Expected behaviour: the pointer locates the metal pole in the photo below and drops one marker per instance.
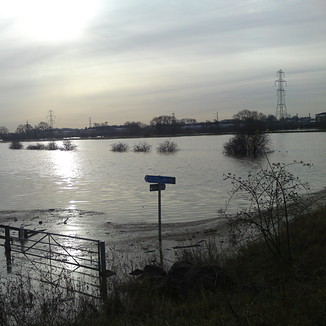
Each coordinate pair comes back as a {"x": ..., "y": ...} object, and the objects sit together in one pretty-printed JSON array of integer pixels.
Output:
[{"x": 160, "y": 227}]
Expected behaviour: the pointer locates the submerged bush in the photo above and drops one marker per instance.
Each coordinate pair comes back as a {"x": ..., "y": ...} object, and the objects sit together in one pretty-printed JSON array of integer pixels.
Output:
[
  {"x": 16, "y": 145},
  {"x": 68, "y": 145},
  {"x": 38, "y": 146},
  {"x": 119, "y": 147},
  {"x": 168, "y": 146},
  {"x": 142, "y": 147},
  {"x": 247, "y": 144},
  {"x": 52, "y": 146}
]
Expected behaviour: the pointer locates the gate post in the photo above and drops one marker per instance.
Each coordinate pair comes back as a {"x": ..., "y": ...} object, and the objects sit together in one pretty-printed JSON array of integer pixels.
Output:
[
  {"x": 102, "y": 270},
  {"x": 8, "y": 248},
  {"x": 22, "y": 234}
]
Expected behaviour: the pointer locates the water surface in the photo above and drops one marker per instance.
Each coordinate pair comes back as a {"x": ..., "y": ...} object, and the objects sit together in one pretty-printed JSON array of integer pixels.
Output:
[{"x": 95, "y": 178}]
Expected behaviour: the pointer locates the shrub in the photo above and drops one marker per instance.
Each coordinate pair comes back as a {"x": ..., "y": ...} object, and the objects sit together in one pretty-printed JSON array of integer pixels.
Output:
[
  {"x": 52, "y": 146},
  {"x": 247, "y": 144},
  {"x": 273, "y": 199},
  {"x": 67, "y": 145},
  {"x": 38, "y": 146},
  {"x": 168, "y": 147},
  {"x": 16, "y": 145},
  {"x": 142, "y": 147},
  {"x": 119, "y": 147}
]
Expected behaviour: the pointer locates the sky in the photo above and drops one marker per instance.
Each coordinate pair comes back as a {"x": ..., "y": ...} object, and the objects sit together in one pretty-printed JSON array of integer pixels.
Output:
[{"x": 131, "y": 60}]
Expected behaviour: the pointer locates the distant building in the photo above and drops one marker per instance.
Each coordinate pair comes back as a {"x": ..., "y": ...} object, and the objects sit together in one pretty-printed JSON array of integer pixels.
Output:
[
  {"x": 198, "y": 125},
  {"x": 320, "y": 117},
  {"x": 228, "y": 123}
]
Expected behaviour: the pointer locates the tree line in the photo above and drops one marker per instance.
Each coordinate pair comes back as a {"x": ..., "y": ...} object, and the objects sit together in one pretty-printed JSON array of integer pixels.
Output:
[{"x": 160, "y": 125}]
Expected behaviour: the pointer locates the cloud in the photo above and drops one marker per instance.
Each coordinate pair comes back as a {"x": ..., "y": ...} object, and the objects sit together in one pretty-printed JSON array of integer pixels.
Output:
[{"x": 188, "y": 57}]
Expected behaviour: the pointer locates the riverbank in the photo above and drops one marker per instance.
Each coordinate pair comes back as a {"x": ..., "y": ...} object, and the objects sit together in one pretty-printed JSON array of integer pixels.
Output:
[
  {"x": 131, "y": 242},
  {"x": 252, "y": 287}
]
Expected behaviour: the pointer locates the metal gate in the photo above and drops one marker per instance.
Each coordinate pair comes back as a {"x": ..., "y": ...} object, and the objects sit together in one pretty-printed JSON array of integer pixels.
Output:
[{"x": 76, "y": 254}]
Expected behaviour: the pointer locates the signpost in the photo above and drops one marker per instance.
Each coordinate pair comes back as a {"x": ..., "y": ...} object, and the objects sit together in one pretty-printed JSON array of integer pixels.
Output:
[
  {"x": 157, "y": 187},
  {"x": 159, "y": 179},
  {"x": 158, "y": 184}
]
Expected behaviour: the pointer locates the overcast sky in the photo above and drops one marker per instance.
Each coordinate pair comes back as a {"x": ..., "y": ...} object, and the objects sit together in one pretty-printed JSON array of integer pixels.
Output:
[{"x": 132, "y": 60}]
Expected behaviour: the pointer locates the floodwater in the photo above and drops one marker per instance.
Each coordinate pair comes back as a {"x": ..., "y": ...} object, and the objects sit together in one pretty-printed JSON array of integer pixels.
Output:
[{"x": 97, "y": 179}]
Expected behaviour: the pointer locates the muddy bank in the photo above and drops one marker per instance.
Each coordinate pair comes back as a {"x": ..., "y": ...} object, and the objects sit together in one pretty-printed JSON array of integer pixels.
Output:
[{"x": 132, "y": 242}]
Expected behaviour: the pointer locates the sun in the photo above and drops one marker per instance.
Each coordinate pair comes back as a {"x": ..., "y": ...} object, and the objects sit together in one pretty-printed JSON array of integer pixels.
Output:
[{"x": 49, "y": 20}]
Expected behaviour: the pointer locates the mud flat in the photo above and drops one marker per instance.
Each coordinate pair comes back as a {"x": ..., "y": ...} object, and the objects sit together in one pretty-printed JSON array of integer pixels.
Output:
[
  {"x": 127, "y": 242},
  {"x": 132, "y": 243}
]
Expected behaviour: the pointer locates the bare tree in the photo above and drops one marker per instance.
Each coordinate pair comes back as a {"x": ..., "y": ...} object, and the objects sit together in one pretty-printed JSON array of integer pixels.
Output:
[
  {"x": 3, "y": 131},
  {"x": 42, "y": 126}
]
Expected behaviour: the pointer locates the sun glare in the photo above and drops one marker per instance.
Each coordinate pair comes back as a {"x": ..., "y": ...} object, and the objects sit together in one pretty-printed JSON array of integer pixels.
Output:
[{"x": 49, "y": 20}]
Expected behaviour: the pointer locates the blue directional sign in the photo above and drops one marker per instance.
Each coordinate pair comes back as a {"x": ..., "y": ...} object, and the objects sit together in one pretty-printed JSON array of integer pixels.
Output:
[{"x": 159, "y": 179}]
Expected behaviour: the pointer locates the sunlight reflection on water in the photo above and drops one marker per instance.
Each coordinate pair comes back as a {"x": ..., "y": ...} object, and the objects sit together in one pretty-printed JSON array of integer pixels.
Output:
[{"x": 94, "y": 178}]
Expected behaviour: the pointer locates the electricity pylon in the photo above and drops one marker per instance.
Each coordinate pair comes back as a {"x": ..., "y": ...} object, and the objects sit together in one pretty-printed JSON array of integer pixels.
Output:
[
  {"x": 281, "y": 106},
  {"x": 51, "y": 118}
]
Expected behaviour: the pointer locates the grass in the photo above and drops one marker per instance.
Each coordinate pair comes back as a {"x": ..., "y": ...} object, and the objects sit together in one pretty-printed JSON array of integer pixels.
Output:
[{"x": 265, "y": 292}]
